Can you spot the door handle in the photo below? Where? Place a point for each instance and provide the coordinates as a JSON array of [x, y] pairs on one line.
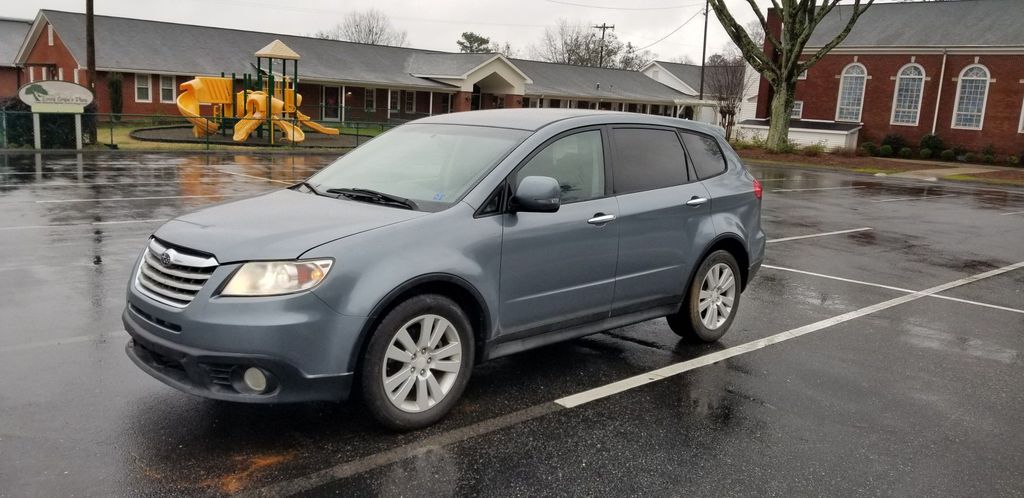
[[601, 219], [697, 201]]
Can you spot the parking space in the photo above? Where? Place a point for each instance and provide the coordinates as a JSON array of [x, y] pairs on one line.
[[840, 376]]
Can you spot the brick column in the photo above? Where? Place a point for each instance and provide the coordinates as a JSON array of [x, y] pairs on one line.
[[513, 101], [461, 101]]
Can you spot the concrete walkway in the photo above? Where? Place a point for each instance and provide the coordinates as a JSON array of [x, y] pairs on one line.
[[933, 174]]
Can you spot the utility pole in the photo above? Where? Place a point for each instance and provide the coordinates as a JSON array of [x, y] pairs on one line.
[[603, 27], [90, 61], [704, 50]]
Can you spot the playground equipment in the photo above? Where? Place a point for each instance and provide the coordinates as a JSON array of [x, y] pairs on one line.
[[265, 101]]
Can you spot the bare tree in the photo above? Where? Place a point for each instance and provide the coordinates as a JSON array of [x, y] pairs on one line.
[[369, 26], [782, 66], [682, 59], [505, 49], [727, 82], [579, 45]]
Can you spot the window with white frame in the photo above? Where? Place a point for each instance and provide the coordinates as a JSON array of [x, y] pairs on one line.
[[369, 99], [410, 102], [394, 97], [798, 110], [906, 103], [971, 95], [143, 84], [851, 93], [167, 89]]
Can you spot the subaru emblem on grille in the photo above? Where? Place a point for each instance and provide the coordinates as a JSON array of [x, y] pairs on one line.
[[165, 259]]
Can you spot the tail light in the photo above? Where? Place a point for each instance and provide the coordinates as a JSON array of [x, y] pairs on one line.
[[758, 190]]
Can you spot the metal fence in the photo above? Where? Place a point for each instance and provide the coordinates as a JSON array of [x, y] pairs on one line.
[[176, 132]]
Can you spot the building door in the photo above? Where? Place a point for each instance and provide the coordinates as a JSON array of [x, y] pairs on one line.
[[474, 103], [331, 104]]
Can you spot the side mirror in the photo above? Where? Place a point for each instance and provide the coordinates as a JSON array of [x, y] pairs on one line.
[[537, 194]]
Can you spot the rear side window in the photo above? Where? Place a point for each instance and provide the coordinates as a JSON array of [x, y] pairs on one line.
[[705, 153], [576, 161], [647, 159]]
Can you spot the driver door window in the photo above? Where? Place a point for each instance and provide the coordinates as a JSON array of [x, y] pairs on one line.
[[576, 161]]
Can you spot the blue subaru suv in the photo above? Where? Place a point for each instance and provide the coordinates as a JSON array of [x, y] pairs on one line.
[[443, 243]]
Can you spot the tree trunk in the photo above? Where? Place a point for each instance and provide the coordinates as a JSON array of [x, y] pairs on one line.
[[782, 106]]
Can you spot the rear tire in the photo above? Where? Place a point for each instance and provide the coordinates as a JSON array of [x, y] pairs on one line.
[[417, 363], [711, 301]]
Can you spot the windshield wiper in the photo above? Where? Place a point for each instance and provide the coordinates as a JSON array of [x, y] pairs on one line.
[[374, 196]]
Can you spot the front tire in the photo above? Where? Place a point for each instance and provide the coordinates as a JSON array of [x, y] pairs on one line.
[[711, 301], [417, 363]]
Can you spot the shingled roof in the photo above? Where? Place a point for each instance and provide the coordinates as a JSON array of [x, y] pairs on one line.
[[12, 32], [136, 45], [964, 23]]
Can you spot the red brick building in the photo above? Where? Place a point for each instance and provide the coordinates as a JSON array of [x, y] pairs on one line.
[[954, 69], [338, 81], [12, 32]]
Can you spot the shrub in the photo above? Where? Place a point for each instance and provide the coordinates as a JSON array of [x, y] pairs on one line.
[[925, 153], [906, 153], [970, 157], [885, 151], [989, 159], [959, 150], [948, 155], [789, 147], [870, 148], [1013, 160], [932, 142], [895, 140], [989, 150], [843, 151], [814, 150]]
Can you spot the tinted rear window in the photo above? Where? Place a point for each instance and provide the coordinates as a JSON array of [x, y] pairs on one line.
[[705, 153], [647, 159]]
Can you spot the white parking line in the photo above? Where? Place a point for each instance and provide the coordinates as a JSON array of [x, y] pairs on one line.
[[1009, 214], [819, 188], [678, 368], [155, 197], [95, 223], [798, 237], [898, 289], [66, 340], [257, 177], [918, 198]]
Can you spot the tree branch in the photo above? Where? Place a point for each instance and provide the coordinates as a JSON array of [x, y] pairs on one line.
[[857, 11]]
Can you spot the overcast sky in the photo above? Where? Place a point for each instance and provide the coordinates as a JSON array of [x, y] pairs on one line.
[[519, 22]]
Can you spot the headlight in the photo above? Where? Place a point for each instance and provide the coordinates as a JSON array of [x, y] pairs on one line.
[[268, 278]]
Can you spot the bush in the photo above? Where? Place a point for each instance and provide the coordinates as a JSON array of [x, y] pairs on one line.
[[970, 157], [932, 142], [789, 147], [925, 153], [989, 150], [885, 151], [1013, 160], [895, 140], [58, 130], [844, 152], [814, 150], [906, 153], [948, 155], [870, 148], [959, 150], [989, 159]]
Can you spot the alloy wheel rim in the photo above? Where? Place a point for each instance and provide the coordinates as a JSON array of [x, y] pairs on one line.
[[717, 294], [421, 364]]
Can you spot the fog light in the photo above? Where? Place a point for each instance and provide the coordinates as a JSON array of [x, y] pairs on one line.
[[255, 379]]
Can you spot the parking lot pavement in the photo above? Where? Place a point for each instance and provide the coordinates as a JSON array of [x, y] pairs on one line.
[[878, 352]]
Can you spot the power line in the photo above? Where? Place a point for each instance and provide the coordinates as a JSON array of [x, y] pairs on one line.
[[694, 16], [673, 7]]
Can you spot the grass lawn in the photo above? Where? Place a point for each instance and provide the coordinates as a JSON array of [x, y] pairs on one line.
[[858, 164]]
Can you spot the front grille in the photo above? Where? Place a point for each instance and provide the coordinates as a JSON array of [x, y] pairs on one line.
[[178, 281]]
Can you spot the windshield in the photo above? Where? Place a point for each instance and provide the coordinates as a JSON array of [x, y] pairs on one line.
[[432, 165]]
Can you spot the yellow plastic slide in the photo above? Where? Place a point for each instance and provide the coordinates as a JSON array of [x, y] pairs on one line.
[[247, 125], [256, 113], [305, 120], [188, 106], [291, 132]]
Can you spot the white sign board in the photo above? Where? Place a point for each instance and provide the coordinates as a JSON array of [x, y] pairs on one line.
[[55, 96]]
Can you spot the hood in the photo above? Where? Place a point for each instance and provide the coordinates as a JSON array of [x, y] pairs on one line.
[[280, 225]]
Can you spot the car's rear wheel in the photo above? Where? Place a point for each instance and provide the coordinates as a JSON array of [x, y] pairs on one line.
[[711, 301], [417, 362]]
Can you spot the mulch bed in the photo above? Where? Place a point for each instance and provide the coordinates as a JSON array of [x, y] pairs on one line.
[[837, 161]]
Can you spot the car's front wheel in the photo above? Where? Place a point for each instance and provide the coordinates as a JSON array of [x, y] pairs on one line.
[[417, 362], [711, 301]]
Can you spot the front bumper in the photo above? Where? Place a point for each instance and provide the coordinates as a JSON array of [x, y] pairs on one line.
[[218, 375]]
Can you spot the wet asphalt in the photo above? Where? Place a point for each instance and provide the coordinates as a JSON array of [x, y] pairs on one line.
[[918, 398]]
